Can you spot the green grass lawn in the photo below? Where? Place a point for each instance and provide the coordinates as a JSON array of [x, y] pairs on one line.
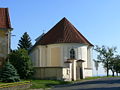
[[46, 83], [36, 84], [40, 83], [13, 84]]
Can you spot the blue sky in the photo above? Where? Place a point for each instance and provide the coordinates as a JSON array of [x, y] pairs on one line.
[[97, 20]]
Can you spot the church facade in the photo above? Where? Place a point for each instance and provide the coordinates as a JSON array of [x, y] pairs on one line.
[[5, 31], [63, 53]]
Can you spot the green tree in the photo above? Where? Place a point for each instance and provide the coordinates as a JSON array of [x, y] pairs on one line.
[[9, 73], [116, 66], [22, 62], [25, 42], [111, 65], [106, 55]]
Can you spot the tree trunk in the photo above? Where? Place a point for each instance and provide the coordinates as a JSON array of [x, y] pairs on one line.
[[117, 73], [107, 72], [107, 69], [113, 73]]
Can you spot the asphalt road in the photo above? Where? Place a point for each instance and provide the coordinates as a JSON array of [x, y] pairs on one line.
[[98, 84]]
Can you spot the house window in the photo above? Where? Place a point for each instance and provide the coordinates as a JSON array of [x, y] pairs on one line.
[[72, 54]]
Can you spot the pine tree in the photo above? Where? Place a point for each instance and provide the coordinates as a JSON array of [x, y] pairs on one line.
[[24, 42], [9, 73]]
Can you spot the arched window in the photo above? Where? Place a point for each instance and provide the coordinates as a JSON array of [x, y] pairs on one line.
[[72, 54]]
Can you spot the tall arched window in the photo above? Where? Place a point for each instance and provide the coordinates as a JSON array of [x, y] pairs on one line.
[[72, 54]]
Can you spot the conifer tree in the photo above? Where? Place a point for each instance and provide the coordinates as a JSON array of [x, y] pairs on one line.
[[25, 42], [9, 73]]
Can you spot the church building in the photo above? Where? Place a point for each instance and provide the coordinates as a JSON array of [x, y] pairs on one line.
[[5, 31], [63, 53]]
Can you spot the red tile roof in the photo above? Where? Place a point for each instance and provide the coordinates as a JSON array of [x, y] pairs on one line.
[[4, 18], [63, 32]]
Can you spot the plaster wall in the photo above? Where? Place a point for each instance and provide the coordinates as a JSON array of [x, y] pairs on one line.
[[57, 54], [88, 72]]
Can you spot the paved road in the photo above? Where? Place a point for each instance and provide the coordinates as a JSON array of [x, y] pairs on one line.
[[98, 84]]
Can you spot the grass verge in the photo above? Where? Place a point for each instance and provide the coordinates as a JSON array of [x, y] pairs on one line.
[[5, 85], [46, 83], [36, 84]]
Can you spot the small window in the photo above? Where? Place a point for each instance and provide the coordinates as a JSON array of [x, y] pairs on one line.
[[72, 54]]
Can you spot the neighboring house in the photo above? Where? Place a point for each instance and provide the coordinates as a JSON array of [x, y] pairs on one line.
[[5, 31], [63, 53]]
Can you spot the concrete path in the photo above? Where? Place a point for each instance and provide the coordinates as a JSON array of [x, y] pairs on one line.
[[98, 84]]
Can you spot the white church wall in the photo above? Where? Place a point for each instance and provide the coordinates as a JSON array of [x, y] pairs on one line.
[[89, 57], [66, 74], [42, 54], [88, 72], [81, 52], [54, 58], [34, 57], [48, 56], [84, 55], [83, 68]]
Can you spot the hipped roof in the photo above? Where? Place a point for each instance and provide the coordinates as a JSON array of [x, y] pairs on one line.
[[63, 32]]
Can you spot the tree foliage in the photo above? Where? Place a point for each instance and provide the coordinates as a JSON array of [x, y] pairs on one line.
[[116, 64], [9, 73], [21, 61], [25, 42], [106, 56]]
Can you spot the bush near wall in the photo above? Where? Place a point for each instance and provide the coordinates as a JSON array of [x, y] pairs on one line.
[[15, 85]]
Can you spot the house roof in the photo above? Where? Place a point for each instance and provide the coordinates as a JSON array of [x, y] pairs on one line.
[[63, 32], [4, 18], [38, 38]]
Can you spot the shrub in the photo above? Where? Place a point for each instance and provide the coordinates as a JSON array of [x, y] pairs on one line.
[[9, 73], [21, 61]]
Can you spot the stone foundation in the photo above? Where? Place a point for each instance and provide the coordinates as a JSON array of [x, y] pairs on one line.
[[53, 73]]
